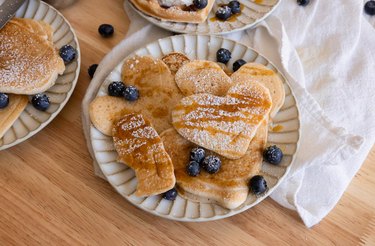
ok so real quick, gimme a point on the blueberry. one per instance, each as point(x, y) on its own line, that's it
point(223, 55)
point(370, 8)
point(131, 93)
point(197, 154)
point(258, 185)
point(223, 13)
point(68, 53)
point(92, 70)
point(40, 101)
point(116, 89)
point(106, 30)
point(235, 7)
point(211, 164)
point(193, 169)
point(273, 155)
point(200, 4)
point(4, 100)
point(303, 2)
point(237, 64)
point(170, 195)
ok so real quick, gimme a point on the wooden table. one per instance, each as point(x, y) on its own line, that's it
point(49, 194)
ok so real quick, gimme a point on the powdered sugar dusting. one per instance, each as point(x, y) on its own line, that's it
point(26, 60)
point(223, 124)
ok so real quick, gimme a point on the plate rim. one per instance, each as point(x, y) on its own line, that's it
point(68, 94)
point(231, 211)
point(159, 23)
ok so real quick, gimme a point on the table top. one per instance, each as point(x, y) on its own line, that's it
point(49, 192)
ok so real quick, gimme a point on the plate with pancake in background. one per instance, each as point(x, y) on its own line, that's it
point(204, 16)
point(194, 128)
point(39, 67)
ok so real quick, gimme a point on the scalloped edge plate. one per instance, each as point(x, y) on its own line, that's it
point(123, 179)
point(31, 121)
point(252, 13)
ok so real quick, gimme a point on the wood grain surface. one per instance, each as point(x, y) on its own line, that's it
point(50, 196)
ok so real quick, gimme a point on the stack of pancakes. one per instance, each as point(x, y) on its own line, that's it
point(29, 64)
point(184, 104)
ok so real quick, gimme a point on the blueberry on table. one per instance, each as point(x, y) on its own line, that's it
point(200, 4)
point(273, 155)
point(370, 8)
point(237, 64)
point(116, 89)
point(258, 185)
point(106, 30)
point(235, 7)
point(223, 55)
point(131, 93)
point(197, 154)
point(170, 195)
point(223, 13)
point(193, 169)
point(211, 164)
point(40, 102)
point(303, 2)
point(4, 100)
point(92, 70)
point(68, 53)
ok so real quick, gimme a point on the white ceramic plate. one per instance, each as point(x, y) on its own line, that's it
point(31, 121)
point(123, 179)
point(254, 11)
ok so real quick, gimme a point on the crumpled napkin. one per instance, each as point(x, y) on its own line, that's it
point(325, 51)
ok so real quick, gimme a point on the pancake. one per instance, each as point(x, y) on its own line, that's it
point(225, 125)
point(179, 13)
point(140, 147)
point(29, 64)
point(228, 187)
point(174, 61)
point(202, 77)
point(9, 114)
point(259, 73)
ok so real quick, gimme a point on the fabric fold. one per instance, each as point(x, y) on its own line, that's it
point(308, 45)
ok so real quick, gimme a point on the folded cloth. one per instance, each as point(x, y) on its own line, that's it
point(328, 69)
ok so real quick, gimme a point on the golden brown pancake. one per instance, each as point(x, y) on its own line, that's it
point(140, 147)
point(29, 64)
point(202, 77)
point(178, 13)
point(259, 73)
point(225, 125)
point(174, 61)
point(9, 114)
point(228, 187)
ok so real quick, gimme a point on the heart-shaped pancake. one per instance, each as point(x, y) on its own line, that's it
point(225, 125)
point(228, 187)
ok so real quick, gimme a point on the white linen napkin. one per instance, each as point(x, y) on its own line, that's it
point(325, 51)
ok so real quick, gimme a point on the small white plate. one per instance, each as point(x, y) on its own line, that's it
point(31, 121)
point(253, 12)
point(123, 179)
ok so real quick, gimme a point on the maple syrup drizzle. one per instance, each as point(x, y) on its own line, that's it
point(277, 128)
point(245, 102)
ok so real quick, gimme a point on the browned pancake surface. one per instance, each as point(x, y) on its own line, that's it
point(28, 61)
point(140, 147)
point(225, 125)
point(174, 13)
point(228, 187)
